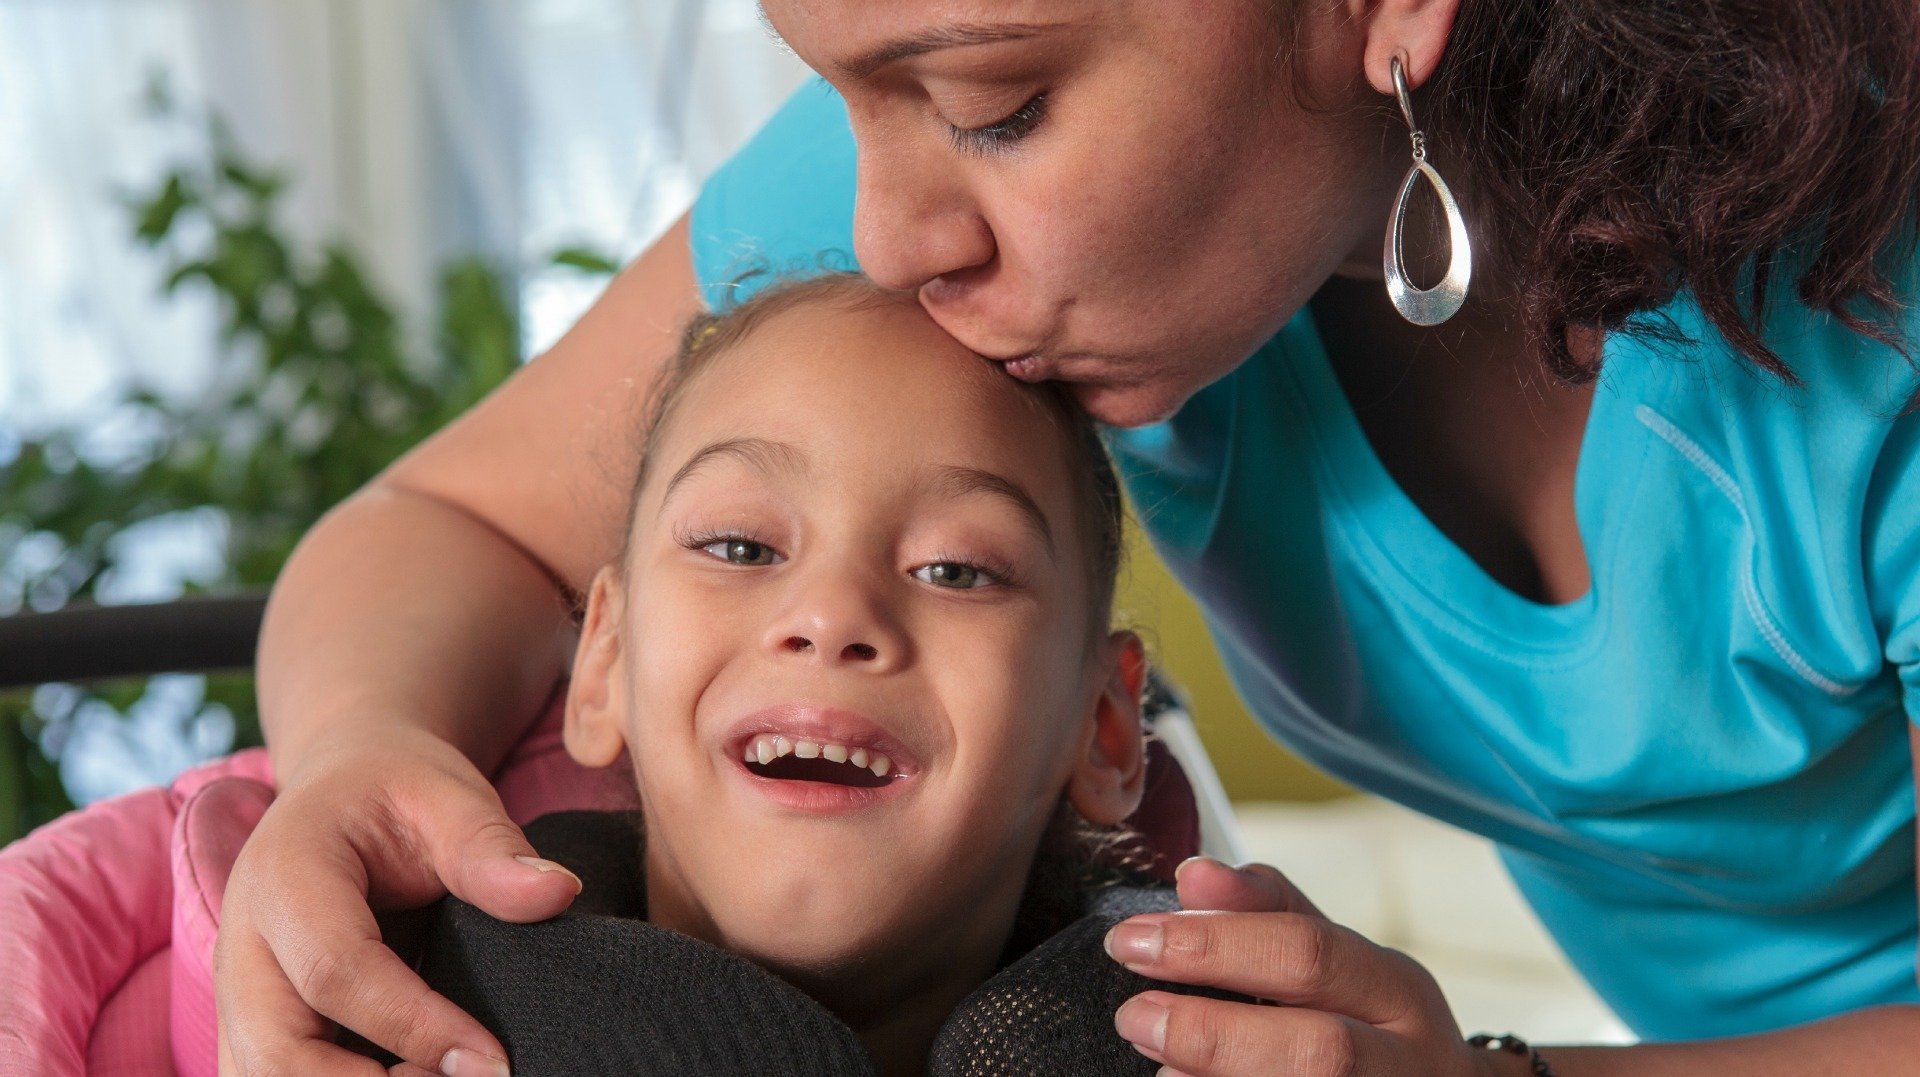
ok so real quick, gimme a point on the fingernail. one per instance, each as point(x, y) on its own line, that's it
point(1143, 1022)
point(1136, 942)
point(464, 1063)
point(1190, 861)
point(544, 866)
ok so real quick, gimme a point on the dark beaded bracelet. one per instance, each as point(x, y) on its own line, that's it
point(1512, 1045)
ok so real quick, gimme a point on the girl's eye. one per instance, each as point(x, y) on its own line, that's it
point(952, 574)
point(741, 552)
point(1004, 132)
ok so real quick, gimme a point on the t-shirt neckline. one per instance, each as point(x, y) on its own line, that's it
point(1403, 551)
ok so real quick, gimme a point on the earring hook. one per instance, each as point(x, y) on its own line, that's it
point(1405, 97)
point(1400, 91)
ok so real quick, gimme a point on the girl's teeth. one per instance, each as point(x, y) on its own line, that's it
point(768, 747)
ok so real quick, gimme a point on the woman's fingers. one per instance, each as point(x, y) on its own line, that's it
point(321, 956)
point(264, 1026)
point(299, 942)
point(1206, 883)
point(1295, 958)
point(1212, 1038)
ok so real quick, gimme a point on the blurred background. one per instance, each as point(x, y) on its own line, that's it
point(251, 250)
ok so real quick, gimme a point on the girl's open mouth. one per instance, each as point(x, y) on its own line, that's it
point(774, 756)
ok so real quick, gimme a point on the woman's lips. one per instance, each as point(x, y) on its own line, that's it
point(1029, 368)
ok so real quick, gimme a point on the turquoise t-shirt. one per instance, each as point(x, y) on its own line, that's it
point(1699, 774)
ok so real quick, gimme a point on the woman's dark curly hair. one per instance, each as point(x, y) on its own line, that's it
point(1616, 152)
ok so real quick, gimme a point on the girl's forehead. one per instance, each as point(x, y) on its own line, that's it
point(868, 384)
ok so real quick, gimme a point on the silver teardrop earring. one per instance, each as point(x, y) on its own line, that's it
point(1425, 306)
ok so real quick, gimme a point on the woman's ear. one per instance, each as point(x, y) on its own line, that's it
point(1414, 30)
point(1112, 768)
point(595, 729)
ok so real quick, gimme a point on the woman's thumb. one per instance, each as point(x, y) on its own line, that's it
point(486, 861)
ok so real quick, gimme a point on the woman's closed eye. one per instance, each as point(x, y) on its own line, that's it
point(1004, 132)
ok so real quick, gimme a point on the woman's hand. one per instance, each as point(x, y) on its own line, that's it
point(394, 818)
point(1347, 1005)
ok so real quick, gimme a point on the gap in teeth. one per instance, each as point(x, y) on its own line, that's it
point(768, 747)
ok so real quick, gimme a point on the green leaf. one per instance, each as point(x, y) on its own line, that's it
point(156, 215)
point(585, 259)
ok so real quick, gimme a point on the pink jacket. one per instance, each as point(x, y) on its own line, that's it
point(108, 915)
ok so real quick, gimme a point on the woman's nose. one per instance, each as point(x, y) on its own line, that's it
point(913, 222)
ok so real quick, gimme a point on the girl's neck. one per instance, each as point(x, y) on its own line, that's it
point(894, 1002)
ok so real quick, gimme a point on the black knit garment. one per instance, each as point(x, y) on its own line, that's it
point(598, 990)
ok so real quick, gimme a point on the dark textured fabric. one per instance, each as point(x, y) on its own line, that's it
point(599, 990)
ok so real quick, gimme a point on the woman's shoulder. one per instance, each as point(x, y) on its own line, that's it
point(782, 205)
point(1822, 470)
point(1823, 424)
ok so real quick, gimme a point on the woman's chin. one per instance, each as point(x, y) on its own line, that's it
point(1129, 405)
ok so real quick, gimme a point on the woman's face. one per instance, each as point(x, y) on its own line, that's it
point(1127, 195)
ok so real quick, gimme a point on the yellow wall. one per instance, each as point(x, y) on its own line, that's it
point(1251, 764)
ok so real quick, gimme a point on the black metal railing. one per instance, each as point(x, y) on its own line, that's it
point(87, 642)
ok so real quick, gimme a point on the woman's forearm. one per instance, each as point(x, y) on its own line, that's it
point(1884, 1039)
point(402, 609)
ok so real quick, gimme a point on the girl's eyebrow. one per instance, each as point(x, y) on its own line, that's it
point(932, 40)
point(758, 453)
point(954, 482)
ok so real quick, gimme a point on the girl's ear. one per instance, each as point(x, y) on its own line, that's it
point(1111, 771)
point(595, 729)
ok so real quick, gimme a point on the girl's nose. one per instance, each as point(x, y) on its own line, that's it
point(913, 221)
point(840, 620)
point(849, 653)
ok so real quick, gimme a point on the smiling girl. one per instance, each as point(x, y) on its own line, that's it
point(857, 650)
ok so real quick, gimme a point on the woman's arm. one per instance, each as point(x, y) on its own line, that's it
point(436, 591)
point(408, 643)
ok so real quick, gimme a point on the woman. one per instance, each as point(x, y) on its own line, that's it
point(1649, 623)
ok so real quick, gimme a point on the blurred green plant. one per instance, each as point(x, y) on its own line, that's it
point(315, 389)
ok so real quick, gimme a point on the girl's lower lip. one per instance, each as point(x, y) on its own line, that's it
point(819, 798)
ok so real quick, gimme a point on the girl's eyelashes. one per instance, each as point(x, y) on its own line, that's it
point(734, 549)
point(1002, 133)
point(954, 574)
point(951, 573)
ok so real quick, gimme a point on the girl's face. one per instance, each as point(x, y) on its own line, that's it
point(856, 543)
point(1127, 195)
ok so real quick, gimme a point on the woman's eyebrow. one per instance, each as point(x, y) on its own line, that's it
point(759, 453)
point(954, 482)
point(940, 37)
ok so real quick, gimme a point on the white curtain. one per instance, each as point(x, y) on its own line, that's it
point(413, 129)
